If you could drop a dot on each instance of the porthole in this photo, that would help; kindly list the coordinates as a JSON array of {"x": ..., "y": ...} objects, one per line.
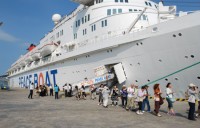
[
  {"x": 107, "y": 50},
  {"x": 174, "y": 35},
  {"x": 180, "y": 34},
  {"x": 148, "y": 80},
  {"x": 137, "y": 44},
  {"x": 136, "y": 81},
  {"x": 198, "y": 77},
  {"x": 166, "y": 79},
  {"x": 131, "y": 65},
  {"x": 160, "y": 60},
  {"x": 138, "y": 63},
  {"x": 111, "y": 50},
  {"x": 176, "y": 78},
  {"x": 192, "y": 56},
  {"x": 186, "y": 57},
  {"x": 141, "y": 43}
]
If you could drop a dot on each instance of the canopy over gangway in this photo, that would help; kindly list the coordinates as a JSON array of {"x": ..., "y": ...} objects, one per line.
[{"x": 84, "y": 2}]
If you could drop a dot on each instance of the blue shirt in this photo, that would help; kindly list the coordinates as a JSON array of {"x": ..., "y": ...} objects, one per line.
[{"x": 56, "y": 88}]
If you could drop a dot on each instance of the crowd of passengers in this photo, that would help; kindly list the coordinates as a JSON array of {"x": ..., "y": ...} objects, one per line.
[{"x": 132, "y": 97}]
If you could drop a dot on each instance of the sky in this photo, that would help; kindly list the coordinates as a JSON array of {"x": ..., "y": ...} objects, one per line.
[{"x": 27, "y": 21}]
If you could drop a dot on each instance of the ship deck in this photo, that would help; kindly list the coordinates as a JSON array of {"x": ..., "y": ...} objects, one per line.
[{"x": 17, "y": 111}]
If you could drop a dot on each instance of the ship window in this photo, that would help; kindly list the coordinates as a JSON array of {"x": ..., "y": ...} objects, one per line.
[
  {"x": 88, "y": 17},
  {"x": 82, "y": 20},
  {"x": 144, "y": 17},
  {"x": 109, "y": 12},
  {"x": 119, "y": 10},
  {"x": 150, "y": 4},
  {"x": 94, "y": 27},
  {"x": 114, "y": 11},
  {"x": 105, "y": 22},
  {"x": 192, "y": 56},
  {"x": 130, "y": 10},
  {"x": 146, "y": 3},
  {"x": 102, "y": 23},
  {"x": 75, "y": 36},
  {"x": 135, "y": 10},
  {"x": 116, "y": 0},
  {"x": 78, "y": 22},
  {"x": 121, "y": 0},
  {"x": 85, "y": 19},
  {"x": 198, "y": 77},
  {"x": 126, "y": 1}
]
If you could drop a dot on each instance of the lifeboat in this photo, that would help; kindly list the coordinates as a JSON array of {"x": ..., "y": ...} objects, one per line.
[
  {"x": 22, "y": 63},
  {"x": 48, "y": 49},
  {"x": 35, "y": 55},
  {"x": 29, "y": 59}
]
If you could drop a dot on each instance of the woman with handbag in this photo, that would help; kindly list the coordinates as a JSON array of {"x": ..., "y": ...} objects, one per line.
[
  {"x": 170, "y": 99},
  {"x": 158, "y": 99}
]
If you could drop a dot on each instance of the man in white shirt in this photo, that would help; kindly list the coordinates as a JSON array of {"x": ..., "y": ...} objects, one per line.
[
  {"x": 31, "y": 87},
  {"x": 131, "y": 98}
]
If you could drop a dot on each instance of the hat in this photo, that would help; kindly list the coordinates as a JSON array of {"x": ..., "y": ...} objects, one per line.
[{"x": 192, "y": 85}]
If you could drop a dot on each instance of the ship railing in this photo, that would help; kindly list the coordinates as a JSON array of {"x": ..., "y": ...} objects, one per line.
[
  {"x": 103, "y": 37},
  {"x": 181, "y": 13}
]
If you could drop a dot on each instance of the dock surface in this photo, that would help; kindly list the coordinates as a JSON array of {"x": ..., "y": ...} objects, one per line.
[{"x": 17, "y": 111}]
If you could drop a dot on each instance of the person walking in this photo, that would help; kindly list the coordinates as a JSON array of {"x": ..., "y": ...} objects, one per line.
[
  {"x": 124, "y": 94},
  {"x": 146, "y": 100},
  {"x": 191, "y": 101},
  {"x": 100, "y": 89},
  {"x": 92, "y": 92},
  {"x": 170, "y": 99},
  {"x": 66, "y": 88},
  {"x": 77, "y": 93},
  {"x": 31, "y": 87},
  {"x": 51, "y": 90},
  {"x": 158, "y": 99},
  {"x": 56, "y": 90},
  {"x": 131, "y": 98},
  {"x": 70, "y": 90},
  {"x": 83, "y": 94},
  {"x": 114, "y": 96},
  {"x": 141, "y": 97},
  {"x": 105, "y": 93}
]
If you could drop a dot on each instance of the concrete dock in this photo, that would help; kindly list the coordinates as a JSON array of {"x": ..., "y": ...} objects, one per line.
[{"x": 17, "y": 111}]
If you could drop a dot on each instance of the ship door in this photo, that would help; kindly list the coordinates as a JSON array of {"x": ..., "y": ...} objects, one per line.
[{"x": 120, "y": 74}]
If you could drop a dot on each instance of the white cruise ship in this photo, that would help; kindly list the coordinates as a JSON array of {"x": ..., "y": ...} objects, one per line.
[{"x": 118, "y": 42}]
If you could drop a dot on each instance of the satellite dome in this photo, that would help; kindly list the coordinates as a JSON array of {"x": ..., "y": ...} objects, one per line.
[{"x": 56, "y": 18}]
